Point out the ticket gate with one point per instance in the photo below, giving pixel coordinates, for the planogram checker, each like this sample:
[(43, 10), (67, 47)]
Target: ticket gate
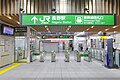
[(53, 56), (41, 56), (77, 56), (87, 56), (67, 57)]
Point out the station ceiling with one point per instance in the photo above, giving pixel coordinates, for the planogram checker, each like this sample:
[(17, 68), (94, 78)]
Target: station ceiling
[(14, 20)]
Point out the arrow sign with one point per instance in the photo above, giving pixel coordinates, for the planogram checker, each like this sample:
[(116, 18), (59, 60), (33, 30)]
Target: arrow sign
[(34, 19)]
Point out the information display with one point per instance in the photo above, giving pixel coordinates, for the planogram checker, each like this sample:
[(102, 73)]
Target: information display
[(68, 19), (59, 36)]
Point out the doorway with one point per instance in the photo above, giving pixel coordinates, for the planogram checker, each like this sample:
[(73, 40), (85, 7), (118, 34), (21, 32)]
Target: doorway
[(20, 54)]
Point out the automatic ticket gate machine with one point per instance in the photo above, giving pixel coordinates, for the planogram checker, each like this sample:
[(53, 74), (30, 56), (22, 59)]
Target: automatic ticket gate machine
[(53, 56), (77, 56), (67, 57), (41, 56)]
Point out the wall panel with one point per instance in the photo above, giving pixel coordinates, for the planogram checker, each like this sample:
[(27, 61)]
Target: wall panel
[(69, 6), (115, 6), (107, 9)]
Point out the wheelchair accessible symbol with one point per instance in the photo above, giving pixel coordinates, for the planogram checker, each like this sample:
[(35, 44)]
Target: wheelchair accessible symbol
[(79, 19)]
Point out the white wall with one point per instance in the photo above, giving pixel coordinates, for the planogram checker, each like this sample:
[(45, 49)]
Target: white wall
[(19, 42), (50, 46), (6, 50)]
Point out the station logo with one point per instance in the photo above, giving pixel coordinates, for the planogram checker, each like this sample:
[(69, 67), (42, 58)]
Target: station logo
[(43, 20)]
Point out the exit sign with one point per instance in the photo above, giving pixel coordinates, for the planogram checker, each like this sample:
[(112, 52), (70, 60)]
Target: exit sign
[(68, 19)]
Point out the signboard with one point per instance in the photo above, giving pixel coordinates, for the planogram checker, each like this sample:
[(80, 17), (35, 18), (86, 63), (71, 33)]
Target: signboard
[(103, 37), (66, 36), (68, 19), (20, 29), (59, 36)]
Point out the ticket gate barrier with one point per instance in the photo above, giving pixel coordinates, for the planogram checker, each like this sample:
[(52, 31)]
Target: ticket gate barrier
[(87, 57), (41, 56), (53, 56), (78, 57), (33, 55), (67, 57)]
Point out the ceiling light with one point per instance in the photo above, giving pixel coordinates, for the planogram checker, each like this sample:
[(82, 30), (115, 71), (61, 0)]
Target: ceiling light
[(9, 17), (87, 29), (18, 22), (92, 27), (69, 26), (45, 26), (114, 26), (47, 29), (115, 31), (106, 29)]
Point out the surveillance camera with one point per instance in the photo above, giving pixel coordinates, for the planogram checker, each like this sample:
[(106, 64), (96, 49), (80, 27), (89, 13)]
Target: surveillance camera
[(86, 9), (21, 9)]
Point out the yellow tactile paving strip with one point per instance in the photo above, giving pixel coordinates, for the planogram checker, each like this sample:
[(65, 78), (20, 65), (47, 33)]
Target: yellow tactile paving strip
[(9, 68)]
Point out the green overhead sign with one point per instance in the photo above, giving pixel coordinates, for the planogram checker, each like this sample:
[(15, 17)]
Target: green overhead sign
[(68, 19)]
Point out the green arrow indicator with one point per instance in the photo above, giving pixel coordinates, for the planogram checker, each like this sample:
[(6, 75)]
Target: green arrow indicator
[(34, 19)]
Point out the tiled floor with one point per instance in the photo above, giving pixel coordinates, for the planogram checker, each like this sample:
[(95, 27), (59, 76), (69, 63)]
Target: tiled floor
[(61, 70)]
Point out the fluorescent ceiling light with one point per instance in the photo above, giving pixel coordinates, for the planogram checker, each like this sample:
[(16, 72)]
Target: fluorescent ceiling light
[(87, 29), (106, 29), (18, 22), (45, 26), (92, 27), (115, 31), (99, 31), (9, 17), (68, 29), (114, 26), (69, 26)]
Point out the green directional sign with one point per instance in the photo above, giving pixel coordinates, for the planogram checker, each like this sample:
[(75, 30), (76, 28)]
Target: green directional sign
[(68, 19)]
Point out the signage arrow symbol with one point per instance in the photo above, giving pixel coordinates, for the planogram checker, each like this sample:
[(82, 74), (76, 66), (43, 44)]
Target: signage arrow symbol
[(34, 19)]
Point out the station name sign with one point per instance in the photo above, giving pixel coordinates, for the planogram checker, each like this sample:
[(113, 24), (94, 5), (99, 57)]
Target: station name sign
[(68, 19)]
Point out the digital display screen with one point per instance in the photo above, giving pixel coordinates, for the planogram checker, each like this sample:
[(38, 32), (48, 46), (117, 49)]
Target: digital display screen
[(44, 36), (52, 36), (8, 30)]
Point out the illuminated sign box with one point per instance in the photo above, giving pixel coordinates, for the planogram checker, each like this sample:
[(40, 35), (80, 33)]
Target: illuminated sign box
[(68, 19), (61, 36)]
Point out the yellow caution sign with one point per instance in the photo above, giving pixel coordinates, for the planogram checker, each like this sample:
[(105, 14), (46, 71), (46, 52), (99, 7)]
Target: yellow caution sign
[(103, 37)]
